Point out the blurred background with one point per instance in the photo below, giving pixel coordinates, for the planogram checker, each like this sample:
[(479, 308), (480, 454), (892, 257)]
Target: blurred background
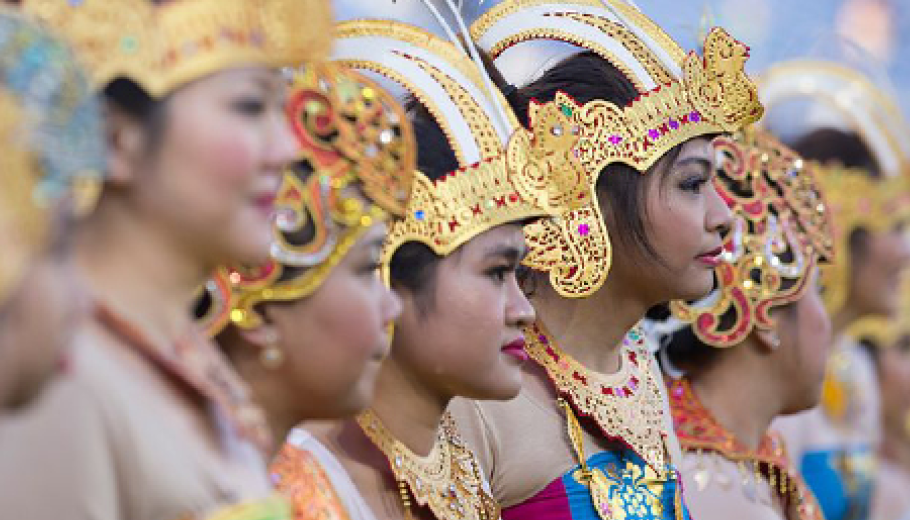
[(774, 29)]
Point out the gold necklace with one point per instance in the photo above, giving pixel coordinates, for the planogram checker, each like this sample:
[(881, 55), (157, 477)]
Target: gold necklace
[(447, 480), (627, 406)]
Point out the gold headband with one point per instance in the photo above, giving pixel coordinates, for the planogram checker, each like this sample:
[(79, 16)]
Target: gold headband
[(163, 47)]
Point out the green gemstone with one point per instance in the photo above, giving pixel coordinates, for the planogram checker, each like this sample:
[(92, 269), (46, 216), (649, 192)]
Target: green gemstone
[(129, 44), (566, 110)]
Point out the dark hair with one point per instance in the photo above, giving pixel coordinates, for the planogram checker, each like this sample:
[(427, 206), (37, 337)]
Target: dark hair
[(413, 266), (828, 145), (130, 98), (587, 77)]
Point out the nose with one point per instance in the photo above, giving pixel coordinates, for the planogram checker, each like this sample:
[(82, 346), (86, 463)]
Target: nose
[(718, 217), (283, 146), (391, 306), (519, 311)]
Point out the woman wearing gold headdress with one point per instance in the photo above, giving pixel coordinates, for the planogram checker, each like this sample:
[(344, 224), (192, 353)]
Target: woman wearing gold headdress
[(453, 258), (152, 423), (756, 347), (51, 155), (589, 436), (307, 329), (834, 445)]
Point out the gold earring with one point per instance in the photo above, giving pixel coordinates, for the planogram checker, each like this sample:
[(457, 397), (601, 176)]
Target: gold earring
[(271, 357)]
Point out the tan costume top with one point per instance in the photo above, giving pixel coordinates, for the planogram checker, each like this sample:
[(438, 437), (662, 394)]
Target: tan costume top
[(117, 438)]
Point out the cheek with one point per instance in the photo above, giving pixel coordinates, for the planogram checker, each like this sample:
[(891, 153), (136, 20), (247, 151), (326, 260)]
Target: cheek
[(225, 159), (211, 146), (676, 228)]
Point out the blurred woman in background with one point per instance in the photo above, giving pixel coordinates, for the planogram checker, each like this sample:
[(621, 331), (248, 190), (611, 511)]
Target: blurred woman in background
[(152, 422)]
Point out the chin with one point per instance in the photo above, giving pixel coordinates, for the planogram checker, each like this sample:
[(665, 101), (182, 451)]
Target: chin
[(696, 288), (505, 387)]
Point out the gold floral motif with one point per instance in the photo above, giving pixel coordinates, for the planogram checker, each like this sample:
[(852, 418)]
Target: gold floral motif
[(627, 406), (514, 177), (162, 47), (616, 493), (448, 480)]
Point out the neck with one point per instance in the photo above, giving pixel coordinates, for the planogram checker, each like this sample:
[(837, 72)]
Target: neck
[(843, 318), (143, 274), (896, 447), (591, 329), (271, 396), (729, 387), (409, 409)]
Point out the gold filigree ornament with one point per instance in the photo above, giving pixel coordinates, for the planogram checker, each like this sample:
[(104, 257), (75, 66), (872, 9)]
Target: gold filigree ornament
[(682, 96), (781, 231), (51, 141), (448, 480), (507, 173), (161, 47), (355, 169), (627, 405)]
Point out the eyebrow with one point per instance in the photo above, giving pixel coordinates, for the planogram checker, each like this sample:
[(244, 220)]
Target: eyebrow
[(510, 253), (376, 242), (701, 161)]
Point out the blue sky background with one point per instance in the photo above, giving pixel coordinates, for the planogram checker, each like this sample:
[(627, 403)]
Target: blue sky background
[(774, 29)]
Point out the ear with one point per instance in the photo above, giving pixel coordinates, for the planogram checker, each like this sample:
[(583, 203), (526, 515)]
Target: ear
[(126, 145), (768, 339)]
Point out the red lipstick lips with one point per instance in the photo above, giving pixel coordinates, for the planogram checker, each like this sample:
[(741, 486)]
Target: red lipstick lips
[(711, 258), (516, 349)]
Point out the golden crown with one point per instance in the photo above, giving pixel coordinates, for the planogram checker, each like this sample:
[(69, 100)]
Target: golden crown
[(355, 168), (507, 173), (857, 201), (682, 97), (781, 231), (162, 47)]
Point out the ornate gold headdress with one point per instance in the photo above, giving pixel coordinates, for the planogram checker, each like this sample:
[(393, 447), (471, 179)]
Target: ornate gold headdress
[(50, 135), (356, 167), (781, 231), (162, 47), (856, 199), (682, 96), (507, 173)]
